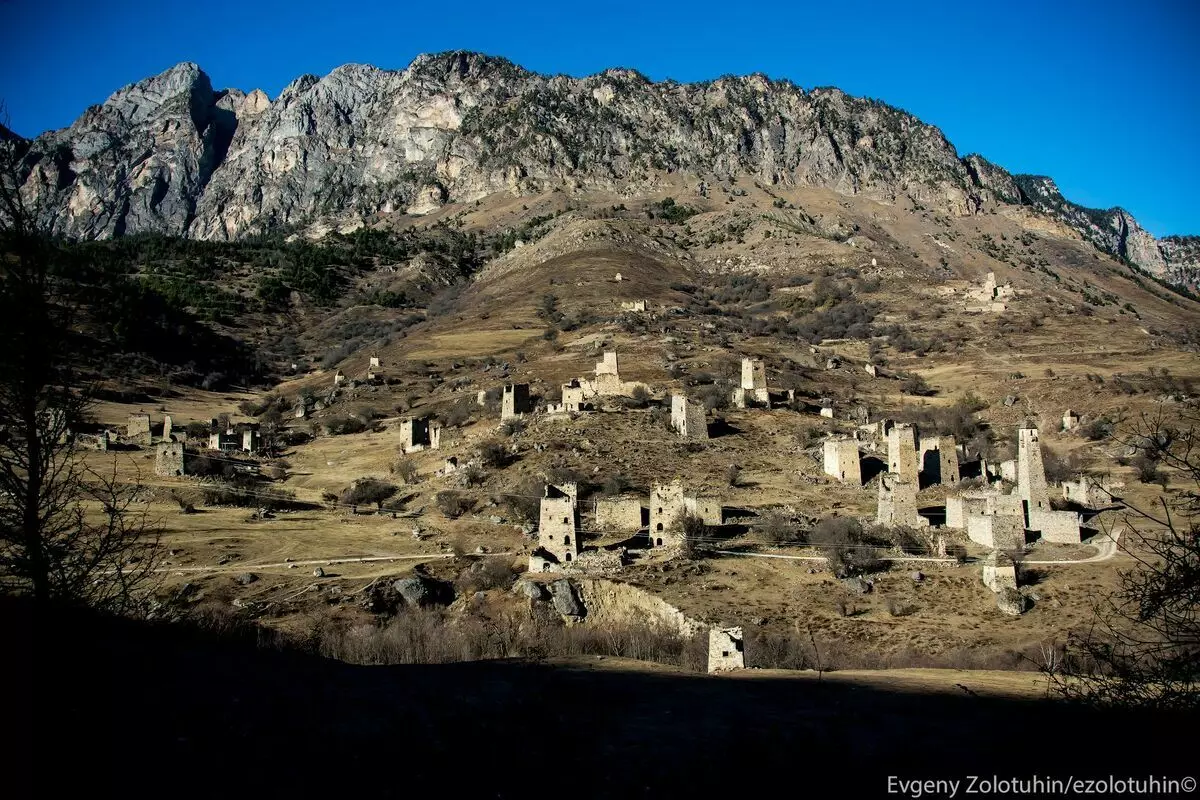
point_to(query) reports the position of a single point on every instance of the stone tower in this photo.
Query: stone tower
(939, 460)
(558, 525)
(168, 460)
(902, 452)
(666, 507)
(754, 374)
(138, 429)
(842, 460)
(1031, 474)
(898, 502)
(687, 418)
(515, 401)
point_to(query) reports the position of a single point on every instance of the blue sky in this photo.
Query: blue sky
(1102, 96)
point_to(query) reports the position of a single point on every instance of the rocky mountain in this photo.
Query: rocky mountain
(172, 155)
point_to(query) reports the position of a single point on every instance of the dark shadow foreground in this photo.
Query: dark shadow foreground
(133, 710)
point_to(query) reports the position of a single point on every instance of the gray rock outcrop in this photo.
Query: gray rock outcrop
(172, 155)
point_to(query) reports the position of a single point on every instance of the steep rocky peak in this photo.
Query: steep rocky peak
(139, 101)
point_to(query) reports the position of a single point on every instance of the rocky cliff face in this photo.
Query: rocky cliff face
(1182, 256)
(172, 155)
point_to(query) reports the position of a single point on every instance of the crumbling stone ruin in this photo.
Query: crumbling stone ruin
(243, 437)
(168, 459)
(939, 460)
(726, 650)
(577, 394)
(420, 434)
(1070, 420)
(515, 402)
(753, 390)
(999, 572)
(137, 431)
(842, 459)
(1000, 521)
(990, 297)
(1091, 492)
(558, 526)
(668, 505)
(98, 441)
(902, 452)
(688, 418)
(166, 429)
(1000, 575)
(898, 503)
(634, 305)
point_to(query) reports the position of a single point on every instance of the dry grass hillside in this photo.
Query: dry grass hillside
(793, 276)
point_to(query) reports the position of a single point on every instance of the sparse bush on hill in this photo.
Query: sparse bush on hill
(777, 528)
(453, 504)
(916, 385)
(340, 425)
(486, 573)
(367, 490)
(405, 469)
(457, 415)
(523, 501)
(494, 454)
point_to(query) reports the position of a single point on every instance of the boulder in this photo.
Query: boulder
(246, 578)
(562, 593)
(532, 590)
(1010, 602)
(318, 573)
(423, 591)
(858, 585)
(918, 576)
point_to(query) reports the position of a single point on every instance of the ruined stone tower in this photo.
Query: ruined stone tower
(842, 460)
(168, 460)
(687, 418)
(726, 649)
(902, 452)
(753, 388)
(1031, 474)
(939, 461)
(558, 525)
(138, 429)
(515, 401)
(898, 502)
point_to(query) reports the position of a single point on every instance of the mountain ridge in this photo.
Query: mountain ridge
(171, 154)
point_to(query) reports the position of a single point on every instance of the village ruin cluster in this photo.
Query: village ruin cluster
(1001, 508)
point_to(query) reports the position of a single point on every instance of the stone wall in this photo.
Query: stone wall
(666, 507)
(137, 430)
(419, 434)
(999, 572)
(619, 514)
(999, 532)
(1060, 527)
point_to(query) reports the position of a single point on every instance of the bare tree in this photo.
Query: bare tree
(67, 535)
(1143, 648)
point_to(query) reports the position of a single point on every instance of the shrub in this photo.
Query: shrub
(494, 454)
(340, 425)
(406, 470)
(472, 475)
(915, 385)
(457, 415)
(486, 573)
(367, 490)
(640, 397)
(733, 474)
(776, 527)
(453, 504)
(524, 502)
(695, 532)
(614, 485)
(1097, 430)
